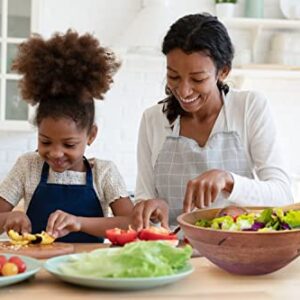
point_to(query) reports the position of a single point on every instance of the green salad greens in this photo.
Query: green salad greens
(270, 219)
(137, 259)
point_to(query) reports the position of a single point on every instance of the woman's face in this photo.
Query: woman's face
(192, 78)
(62, 144)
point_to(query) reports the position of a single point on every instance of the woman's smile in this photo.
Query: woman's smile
(190, 104)
(190, 100)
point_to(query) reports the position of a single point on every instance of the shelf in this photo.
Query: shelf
(266, 71)
(22, 126)
(256, 46)
(247, 23)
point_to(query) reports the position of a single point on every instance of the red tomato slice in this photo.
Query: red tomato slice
(19, 263)
(121, 237)
(156, 233)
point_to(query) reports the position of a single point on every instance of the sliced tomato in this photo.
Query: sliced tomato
(156, 233)
(121, 237)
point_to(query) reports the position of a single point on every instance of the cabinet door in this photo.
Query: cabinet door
(16, 20)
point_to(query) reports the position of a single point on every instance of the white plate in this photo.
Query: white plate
(32, 267)
(52, 266)
(290, 8)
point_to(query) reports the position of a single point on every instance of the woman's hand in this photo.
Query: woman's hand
(18, 221)
(203, 190)
(61, 223)
(156, 210)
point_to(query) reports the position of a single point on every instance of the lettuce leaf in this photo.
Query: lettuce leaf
(265, 216)
(245, 221)
(292, 218)
(138, 259)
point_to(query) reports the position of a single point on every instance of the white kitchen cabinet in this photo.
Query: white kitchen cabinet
(18, 20)
(254, 59)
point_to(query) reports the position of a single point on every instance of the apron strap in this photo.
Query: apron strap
(45, 172)
(225, 110)
(176, 127)
(89, 175)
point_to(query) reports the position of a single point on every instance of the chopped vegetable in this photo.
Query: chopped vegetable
(24, 239)
(121, 237)
(156, 233)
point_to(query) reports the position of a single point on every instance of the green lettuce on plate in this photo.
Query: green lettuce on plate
(138, 259)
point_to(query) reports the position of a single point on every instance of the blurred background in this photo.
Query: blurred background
(266, 34)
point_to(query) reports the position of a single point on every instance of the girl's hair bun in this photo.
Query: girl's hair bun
(65, 66)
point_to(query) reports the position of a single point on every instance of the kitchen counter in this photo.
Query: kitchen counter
(207, 282)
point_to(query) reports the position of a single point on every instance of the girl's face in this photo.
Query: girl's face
(192, 78)
(62, 145)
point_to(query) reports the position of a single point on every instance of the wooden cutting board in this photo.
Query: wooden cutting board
(38, 251)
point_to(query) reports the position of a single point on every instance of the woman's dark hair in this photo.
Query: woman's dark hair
(192, 33)
(64, 74)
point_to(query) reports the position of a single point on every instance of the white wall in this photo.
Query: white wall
(140, 82)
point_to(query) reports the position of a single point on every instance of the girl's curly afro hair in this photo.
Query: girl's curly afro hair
(67, 68)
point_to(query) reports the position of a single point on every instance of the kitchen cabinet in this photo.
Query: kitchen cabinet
(17, 22)
(254, 59)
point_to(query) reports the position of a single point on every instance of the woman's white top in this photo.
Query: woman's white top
(25, 176)
(249, 114)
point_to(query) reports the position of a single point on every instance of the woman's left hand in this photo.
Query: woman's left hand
(61, 223)
(150, 210)
(204, 189)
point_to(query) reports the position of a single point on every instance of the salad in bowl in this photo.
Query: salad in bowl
(269, 219)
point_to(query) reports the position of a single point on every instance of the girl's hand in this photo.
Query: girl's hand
(202, 191)
(61, 223)
(156, 210)
(18, 221)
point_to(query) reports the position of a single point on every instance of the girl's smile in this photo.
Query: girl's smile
(62, 144)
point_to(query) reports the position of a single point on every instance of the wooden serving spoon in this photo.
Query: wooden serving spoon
(235, 211)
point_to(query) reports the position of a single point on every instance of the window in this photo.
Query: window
(15, 27)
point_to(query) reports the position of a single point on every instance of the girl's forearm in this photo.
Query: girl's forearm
(5, 209)
(98, 226)
(3, 217)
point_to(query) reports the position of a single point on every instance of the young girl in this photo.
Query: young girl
(64, 193)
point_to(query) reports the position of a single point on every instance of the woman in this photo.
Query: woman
(205, 145)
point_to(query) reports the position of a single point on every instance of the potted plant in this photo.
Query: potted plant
(225, 8)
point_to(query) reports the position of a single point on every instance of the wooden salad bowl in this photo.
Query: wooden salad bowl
(241, 252)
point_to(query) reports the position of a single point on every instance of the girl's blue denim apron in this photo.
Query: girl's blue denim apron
(78, 200)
